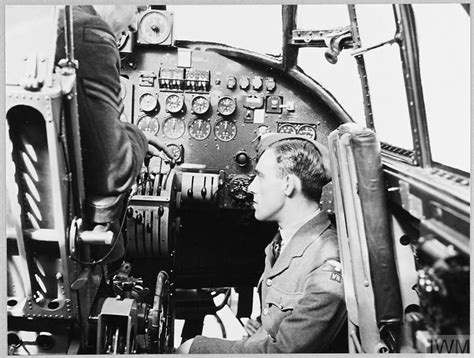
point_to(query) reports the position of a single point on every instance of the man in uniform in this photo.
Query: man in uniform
(302, 297)
(113, 150)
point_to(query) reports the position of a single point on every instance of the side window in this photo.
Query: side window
(385, 75)
(251, 27)
(311, 59)
(444, 47)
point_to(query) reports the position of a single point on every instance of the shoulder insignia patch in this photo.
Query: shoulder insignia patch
(334, 267)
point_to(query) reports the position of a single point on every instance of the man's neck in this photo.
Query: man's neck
(295, 210)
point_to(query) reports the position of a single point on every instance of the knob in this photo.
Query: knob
(242, 159)
(257, 83)
(231, 82)
(244, 83)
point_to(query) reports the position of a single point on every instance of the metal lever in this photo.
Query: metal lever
(81, 279)
(361, 51)
(99, 235)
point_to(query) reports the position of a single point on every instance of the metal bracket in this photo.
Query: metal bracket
(34, 79)
(335, 40)
(318, 38)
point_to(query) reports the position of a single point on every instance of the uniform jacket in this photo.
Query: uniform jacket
(302, 295)
(112, 150)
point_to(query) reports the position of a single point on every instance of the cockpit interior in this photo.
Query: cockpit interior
(188, 224)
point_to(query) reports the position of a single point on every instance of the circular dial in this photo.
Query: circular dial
(307, 131)
(148, 124)
(147, 102)
(226, 106)
(225, 130)
(154, 27)
(176, 151)
(199, 128)
(200, 105)
(174, 103)
(173, 127)
(287, 128)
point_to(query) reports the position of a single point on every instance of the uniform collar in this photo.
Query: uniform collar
(306, 235)
(288, 232)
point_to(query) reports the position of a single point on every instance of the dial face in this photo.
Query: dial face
(200, 104)
(155, 27)
(225, 130)
(199, 129)
(307, 131)
(174, 103)
(173, 127)
(176, 151)
(147, 102)
(148, 124)
(226, 106)
(287, 128)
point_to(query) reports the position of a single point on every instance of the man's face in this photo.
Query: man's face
(268, 188)
(123, 18)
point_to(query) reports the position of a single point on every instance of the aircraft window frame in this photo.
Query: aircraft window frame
(406, 38)
(446, 92)
(290, 57)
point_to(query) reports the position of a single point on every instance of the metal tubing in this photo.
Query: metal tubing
(289, 52)
(409, 54)
(369, 118)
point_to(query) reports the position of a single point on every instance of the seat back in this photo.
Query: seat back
(371, 283)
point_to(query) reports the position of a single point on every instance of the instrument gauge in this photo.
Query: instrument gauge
(226, 105)
(200, 104)
(148, 124)
(287, 128)
(199, 128)
(176, 151)
(225, 130)
(174, 103)
(307, 131)
(147, 102)
(154, 27)
(173, 127)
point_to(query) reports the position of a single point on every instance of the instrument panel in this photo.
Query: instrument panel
(208, 107)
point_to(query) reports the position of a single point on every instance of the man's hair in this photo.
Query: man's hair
(301, 158)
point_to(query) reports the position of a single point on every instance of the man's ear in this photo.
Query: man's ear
(292, 185)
